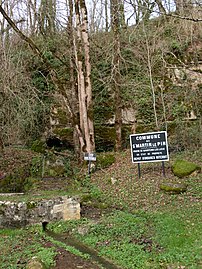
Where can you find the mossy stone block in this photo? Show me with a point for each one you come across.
(173, 188)
(183, 168)
(55, 171)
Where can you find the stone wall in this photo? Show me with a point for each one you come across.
(19, 214)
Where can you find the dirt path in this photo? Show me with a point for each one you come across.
(67, 260)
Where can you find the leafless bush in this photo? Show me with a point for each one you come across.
(20, 105)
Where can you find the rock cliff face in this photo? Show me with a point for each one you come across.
(178, 89)
(19, 214)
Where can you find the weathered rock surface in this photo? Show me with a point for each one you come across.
(19, 214)
(173, 188)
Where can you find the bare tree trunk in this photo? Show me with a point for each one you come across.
(160, 6)
(151, 77)
(82, 56)
(106, 15)
(47, 17)
(32, 16)
(77, 135)
(116, 78)
(88, 84)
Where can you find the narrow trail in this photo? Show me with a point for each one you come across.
(70, 241)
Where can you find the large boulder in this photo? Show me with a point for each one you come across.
(183, 168)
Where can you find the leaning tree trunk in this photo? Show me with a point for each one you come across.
(160, 6)
(82, 56)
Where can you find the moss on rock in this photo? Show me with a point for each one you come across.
(55, 171)
(38, 146)
(183, 168)
(57, 166)
(31, 205)
(173, 188)
(104, 137)
(64, 133)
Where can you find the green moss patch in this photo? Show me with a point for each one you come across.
(173, 188)
(64, 133)
(17, 181)
(38, 146)
(183, 168)
(104, 137)
(104, 160)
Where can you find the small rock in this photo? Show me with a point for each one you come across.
(83, 230)
(2, 175)
(173, 188)
(113, 180)
(35, 263)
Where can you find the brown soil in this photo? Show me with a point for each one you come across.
(66, 260)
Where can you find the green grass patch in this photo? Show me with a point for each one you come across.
(144, 240)
(20, 245)
(71, 249)
(180, 235)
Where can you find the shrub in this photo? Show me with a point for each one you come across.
(16, 181)
(104, 160)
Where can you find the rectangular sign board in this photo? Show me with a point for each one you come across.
(149, 147)
(89, 156)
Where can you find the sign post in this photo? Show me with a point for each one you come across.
(149, 147)
(163, 169)
(139, 170)
(89, 157)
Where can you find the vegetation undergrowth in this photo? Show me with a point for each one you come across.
(143, 227)
(18, 246)
(71, 249)
(150, 229)
(143, 239)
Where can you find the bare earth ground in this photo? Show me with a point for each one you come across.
(66, 260)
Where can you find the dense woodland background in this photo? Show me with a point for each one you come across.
(90, 73)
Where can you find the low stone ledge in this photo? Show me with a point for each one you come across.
(19, 214)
